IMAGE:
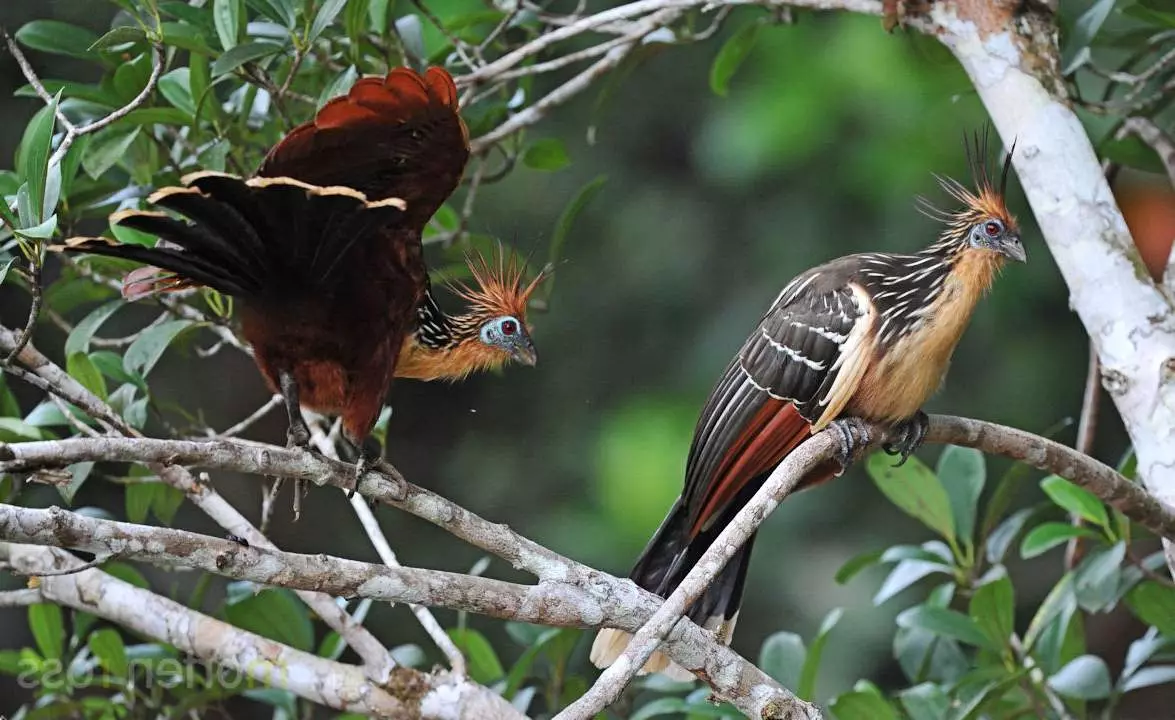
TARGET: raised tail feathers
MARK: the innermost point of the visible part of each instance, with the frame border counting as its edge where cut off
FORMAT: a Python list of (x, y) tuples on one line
[(665, 562), (243, 237)]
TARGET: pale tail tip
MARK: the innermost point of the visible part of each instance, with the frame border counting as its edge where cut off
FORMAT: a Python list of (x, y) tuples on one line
[(609, 644)]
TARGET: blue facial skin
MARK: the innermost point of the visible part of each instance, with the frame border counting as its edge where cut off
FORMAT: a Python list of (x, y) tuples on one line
[(508, 334), (992, 234)]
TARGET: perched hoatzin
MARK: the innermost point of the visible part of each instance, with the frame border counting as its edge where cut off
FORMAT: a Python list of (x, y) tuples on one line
[(323, 246), (862, 338)]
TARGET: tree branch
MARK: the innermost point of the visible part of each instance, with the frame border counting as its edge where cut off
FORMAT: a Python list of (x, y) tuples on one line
[(323, 681)]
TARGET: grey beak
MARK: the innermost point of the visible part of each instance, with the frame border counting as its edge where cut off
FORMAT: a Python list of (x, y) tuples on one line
[(525, 354), (1014, 249)]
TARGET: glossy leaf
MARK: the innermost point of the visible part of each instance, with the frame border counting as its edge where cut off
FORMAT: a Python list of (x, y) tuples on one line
[(82, 369), (1085, 678), (782, 657), (327, 12), (1095, 581), (914, 489), (1154, 604), (993, 609), (484, 666), (146, 350), (732, 55), (863, 703), (546, 154), (856, 564), (176, 87), (54, 36), (106, 149), (1150, 676), (106, 645), (138, 498), (905, 574), (926, 701), (79, 338), (962, 473), (243, 53), (1075, 499), (35, 148), (806, 688), (1047, 536), (122, 35), (227, 17), (1004, 534), (280, 11), (48, 628), (945, 623), (275, 614)]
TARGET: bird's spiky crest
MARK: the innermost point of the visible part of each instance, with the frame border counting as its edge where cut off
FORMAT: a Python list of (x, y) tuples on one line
[(987, 200), (499, 285)]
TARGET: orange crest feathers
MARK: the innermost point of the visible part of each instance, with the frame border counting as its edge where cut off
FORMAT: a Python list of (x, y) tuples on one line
[(987, 200), (500, 289)]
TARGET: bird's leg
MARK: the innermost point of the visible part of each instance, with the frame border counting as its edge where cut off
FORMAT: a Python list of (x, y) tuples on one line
[(913, 432), (854, 436), (371, 455), (298, 434)]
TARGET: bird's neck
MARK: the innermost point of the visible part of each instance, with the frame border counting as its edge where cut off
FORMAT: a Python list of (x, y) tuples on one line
[(445, 347)]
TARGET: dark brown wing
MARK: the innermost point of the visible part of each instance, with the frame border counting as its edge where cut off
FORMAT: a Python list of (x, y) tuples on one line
[(395, 136), (791, 372)]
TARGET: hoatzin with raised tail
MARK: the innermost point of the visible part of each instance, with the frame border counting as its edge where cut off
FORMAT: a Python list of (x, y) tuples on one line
[(323, 248), (862, 339)]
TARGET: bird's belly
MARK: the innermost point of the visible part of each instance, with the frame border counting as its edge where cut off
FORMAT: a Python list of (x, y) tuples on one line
[(901, 380)]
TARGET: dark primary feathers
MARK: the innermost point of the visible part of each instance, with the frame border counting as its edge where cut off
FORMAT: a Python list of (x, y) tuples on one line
[(866, 336)]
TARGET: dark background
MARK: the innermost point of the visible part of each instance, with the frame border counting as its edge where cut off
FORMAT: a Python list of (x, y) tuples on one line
[(712, 204)]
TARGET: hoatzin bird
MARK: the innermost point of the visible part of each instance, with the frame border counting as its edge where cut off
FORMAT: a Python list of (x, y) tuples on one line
[(323, 247), (862, 338)]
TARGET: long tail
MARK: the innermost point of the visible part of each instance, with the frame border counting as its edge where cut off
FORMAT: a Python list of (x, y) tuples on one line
[(243, 237), (665, 562)]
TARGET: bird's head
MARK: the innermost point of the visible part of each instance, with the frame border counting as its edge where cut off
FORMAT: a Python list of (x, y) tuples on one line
[(984, 222), (494, 323)]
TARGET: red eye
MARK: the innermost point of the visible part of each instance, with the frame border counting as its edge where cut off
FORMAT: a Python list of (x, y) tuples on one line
[(992, 228), (509, 327)]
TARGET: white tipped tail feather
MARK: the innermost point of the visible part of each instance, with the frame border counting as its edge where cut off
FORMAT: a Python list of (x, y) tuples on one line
[(610, 643)]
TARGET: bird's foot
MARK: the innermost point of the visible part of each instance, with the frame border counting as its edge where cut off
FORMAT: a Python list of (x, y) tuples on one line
[(912, 432), (298, 435), (854, 436), (370, 456)]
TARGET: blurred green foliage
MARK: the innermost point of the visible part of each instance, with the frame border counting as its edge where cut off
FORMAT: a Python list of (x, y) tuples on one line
[(730, 166)]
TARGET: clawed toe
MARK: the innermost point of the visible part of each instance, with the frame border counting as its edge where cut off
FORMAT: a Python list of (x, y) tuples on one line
[(912, 432), (853, 435)]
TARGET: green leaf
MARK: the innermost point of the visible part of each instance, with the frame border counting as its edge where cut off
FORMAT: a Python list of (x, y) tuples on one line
[(1085, 678), (944, 623), (963, 474), (138, 497), (275, 614), (993, 610), (35, 149), (280, 11), (863, 703), (156, 116), (1154, 604), (5, 268), (521, 668), (53, 36), (106, 645), (926, 701), (48, 629), (1131, 152), (1002, 536), (1095, 581), (1148, 677), (1046, 536), (1087, 25), (243, 53), (227, 16), (782, 657), (1060, 601), (127, 573), (732, 55), (106, 149), (914, 489), (856, 564), (79, 339), (546, 154), (1075, 499), (906, 573), (82, 369), (16, 430), (166, 502), (122, 35), (661, 707), (325, 16), (484, 666), (146, 350), (176, 87), (807, 684), (186, 37), (339, 86)]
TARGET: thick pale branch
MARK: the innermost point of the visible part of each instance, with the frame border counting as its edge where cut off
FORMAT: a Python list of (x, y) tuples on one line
[(439, 696)]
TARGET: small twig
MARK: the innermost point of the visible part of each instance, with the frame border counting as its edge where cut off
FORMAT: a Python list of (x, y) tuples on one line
[(73, 419), (1038, 679), (380, 542), (99, 560), (1152, 135), (1086, 432), (31, 75), (34, 279), (270, 405)]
